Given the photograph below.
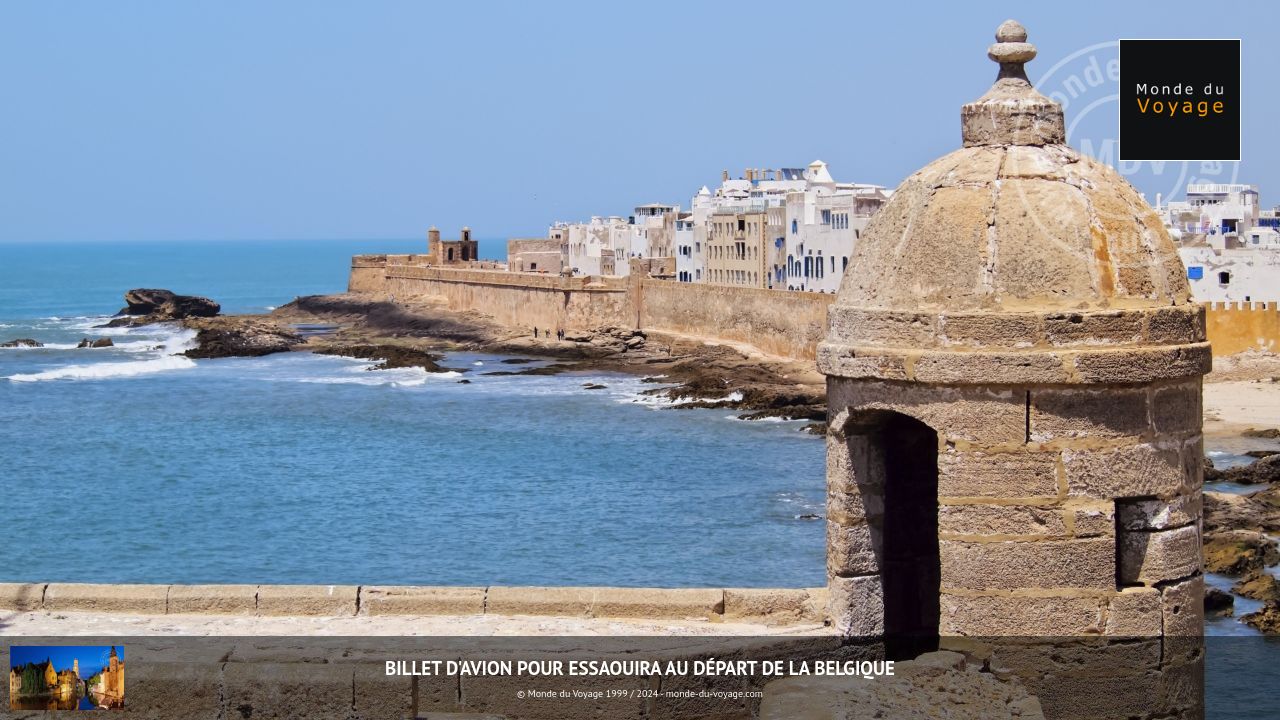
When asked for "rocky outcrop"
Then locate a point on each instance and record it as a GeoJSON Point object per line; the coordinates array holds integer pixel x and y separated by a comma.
{"type": "Point", "coordinates": [1231, 511]}
{"type": "Point", "coordinates": [166, 305]}
{"type": "Point", "coordinates": [1239, 552]}
{"type": "Point", "coordinates": [1269, 433]}
{"type": "Point", "coordinates": [1258, 586]}
{"type": "Point", "coordinates": [99, 343]}
{"type": "Point", "coordinates": [1259, 472]}
{"type": "Point", "coordinates": [22, 342]}
{"type": "Point", "coordinates": [390, 356]}
{"type": "Point", "coordinates": [144, 306]}
{"type": "Point", "coordinates": [1267, 619]}
{"type": "Point", "coordinates": [239, 336]}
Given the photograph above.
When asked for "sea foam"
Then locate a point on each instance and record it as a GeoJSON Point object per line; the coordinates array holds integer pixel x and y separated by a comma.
{"type": "Point", "coordinates": [109, 370]}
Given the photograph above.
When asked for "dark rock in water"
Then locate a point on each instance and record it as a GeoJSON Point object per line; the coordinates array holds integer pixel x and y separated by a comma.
{"type": "Point", "coordinates": [1221, 603]}
{"type": "Point", "coordinates": [1239, 552]}
{"type": "Point", "coordinates": [220, 337]}
{"type": "Point", "coordinates": [594, 386]}
{"type": "Point", "coordinates": [1258, 472]}
{"type": "Point", "coordinates": [22, 342]}
{"type": "Point", "coordinates": [516, 361]}
{"type": "Point", "coordinates": [464, 381]}
{"type": "Point", "coordinates": [1271, 433]}
{"type": "Point", "coordinates": [144, 305]}
{"type": "Point", "coordinates": [1259, 454]}
{"type": "Point", "coordinates": [391, 356]}
{"type": "Point", "coordinates": [818, 428]}
{"type": "Point", "coordinates": [99, 343]}
{"type": "Point", "coordinates": [809, 516]}
{"type": "Point", "coordinates": [1211, 473]}
{"type": "Point", "coordinates": [545, 370]}
{"type": "Point", "coordinates": [1267, 619]}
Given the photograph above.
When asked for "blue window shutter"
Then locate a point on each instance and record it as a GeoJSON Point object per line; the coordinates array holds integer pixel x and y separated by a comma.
{"type": "Point", "coordinates": [1195, 272]}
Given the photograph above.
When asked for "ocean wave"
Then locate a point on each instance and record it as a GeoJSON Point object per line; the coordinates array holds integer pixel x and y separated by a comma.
{"type": "Point", "coordinates": [106, 371]}
{"type": "Point", "coordinates": [771, 419]}
{"type": "Point", "coordinates": [398, 377]}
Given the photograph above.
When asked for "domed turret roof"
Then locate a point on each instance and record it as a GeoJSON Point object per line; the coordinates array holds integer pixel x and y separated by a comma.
{"type": "Point", "coordinates": [1015, 260]}
{"type": "Point", "coordinates": [1015, 220]}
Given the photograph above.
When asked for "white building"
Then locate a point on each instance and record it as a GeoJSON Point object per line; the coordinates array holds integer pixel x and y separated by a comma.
{"type": "Point", "coordinates": [597, 247]}
{"type": "Point", "coordinates": [1229, 245]}
{"type": "Point", "coordinates": [824, 222]}
{"type": "Point", "coordinates": [688, 248]}
{"type": "Point", "coordinates": [1216, 210]}
{"type": "Point", "coordinates": [809, 229]}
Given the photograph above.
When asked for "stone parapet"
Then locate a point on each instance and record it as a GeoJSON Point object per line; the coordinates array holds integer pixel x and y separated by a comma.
{"type": "Point", "coordinates": [775, 606]}
{"type": "Point", "coordinates": [1074, 366]}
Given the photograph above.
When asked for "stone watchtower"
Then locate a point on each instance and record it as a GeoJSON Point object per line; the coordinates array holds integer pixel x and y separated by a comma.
{"type": "Point", "coordinates": [1014, 380]}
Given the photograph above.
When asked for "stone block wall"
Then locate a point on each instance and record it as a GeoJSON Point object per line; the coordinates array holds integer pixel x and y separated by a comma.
{"type": "Point", "coordinates": [783, 323]}
{"type": "Point", "coordinates": [1061, 510]}
{"type": "Point", "coordinates": [787, 324]}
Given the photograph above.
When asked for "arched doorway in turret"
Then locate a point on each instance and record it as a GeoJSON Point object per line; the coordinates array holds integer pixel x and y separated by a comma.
{"type": "Point", "coordinates": [893, 459]}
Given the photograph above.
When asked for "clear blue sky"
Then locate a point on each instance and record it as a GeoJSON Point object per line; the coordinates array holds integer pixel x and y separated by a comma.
{"type": "Point", "coordinates": [92, 657]}
{"type": "Point", "coordinates": [206, 120]}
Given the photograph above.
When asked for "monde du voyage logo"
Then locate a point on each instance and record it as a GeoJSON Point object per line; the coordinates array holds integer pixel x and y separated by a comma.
{"type": "Point", "coordinates": [1180, 100]}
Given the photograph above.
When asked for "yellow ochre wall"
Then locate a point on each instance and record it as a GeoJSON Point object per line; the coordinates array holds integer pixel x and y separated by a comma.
{"type": "Point", "coordinates": [1235, 327]}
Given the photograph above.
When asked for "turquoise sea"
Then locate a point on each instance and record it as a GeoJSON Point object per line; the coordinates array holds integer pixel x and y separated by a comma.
{"type": "Point", "coordinates": [133, 464]}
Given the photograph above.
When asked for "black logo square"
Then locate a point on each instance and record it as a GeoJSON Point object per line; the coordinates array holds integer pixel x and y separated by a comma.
{"type": "Point", "coordinates": [1180, 100]}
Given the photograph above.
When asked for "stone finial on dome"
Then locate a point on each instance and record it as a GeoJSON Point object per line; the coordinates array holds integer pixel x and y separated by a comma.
{"type": "Point", "coordinates": [1012, 112]}
{"type": "Point", "coordinates": [1012, 50]}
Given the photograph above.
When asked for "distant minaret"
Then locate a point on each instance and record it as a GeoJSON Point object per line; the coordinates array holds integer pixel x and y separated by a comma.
{"type": "Point", "coordinates": [75, 667]}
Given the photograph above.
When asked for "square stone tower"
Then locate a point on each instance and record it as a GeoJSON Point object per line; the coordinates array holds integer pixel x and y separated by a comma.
{"type": "Point", "coordinates": [1014, 371]}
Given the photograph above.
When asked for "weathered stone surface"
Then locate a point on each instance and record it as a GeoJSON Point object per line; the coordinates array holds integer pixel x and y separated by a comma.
{"type": "Point", "coordinates": [985, 415]}
{"type": "Point", "coordinates": [1092, 519]}
{"type": "Point", "coordinates": [394, 600]}
{"type": "Point", "coordinates": [888, 329]}
{"type": "Point", "coordinates": [1136, 470]}
{"type": "Point", "coordinates": [1104, 413]}
{"type": "Point", "coordinates": [1178, 408]}
{"type": "Point", "coordinates": [1045, 248]}
{"type": "Point", "coordinates": [980, 368]}
{"type": "Point", "coordinates": [960, 521]}
{"type": "Point", "coordinates": [997, 475]}
{"type": "Point", "coordinates": [1159, 514]}
{"type": "Point", "coordinates": [698, 603]}
{"type": "Point", "coordinates": [1135, 612]}
{"type": "Point", "coordinates": [213, 599]}
{"type": "Point", "coordinates": [1095, 329]}
{"type": "Point", "coordinates": [1154, 556]}
{"type": "Point", "coordinates": [937, 684]}
{"type": "Point", "coordinates": [1081, 563]}
{"type": "Point", "coordinates": [22, 597]}
{"type": "Point", "coordinates": [779, 605]}
{"type": "Point", "coordinates": [289, 690]}
{"type": "Point", "coordinates": [137, 599]}
{"type": "Point", "coordinates": [1143, 365]}
{"type": "Point", "coordinates": [1176, 324]}
{"type": "Point", "coordinates": [1009, 615]}
{"type": "Point", "coordinates": [605, 602]}
{"type": "Point", "coordinates": [850, 550]}
{"type": "Point", "coordinates": [315, 600]}
{"type": "Point", "coordinates": [156, 689]}
{"type": "Point", "coordinates": [988, 330]}
{"type": "Point", "coordinates": [1183, 605]}
{"type": "Point", "coordinates": [857, 605]}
